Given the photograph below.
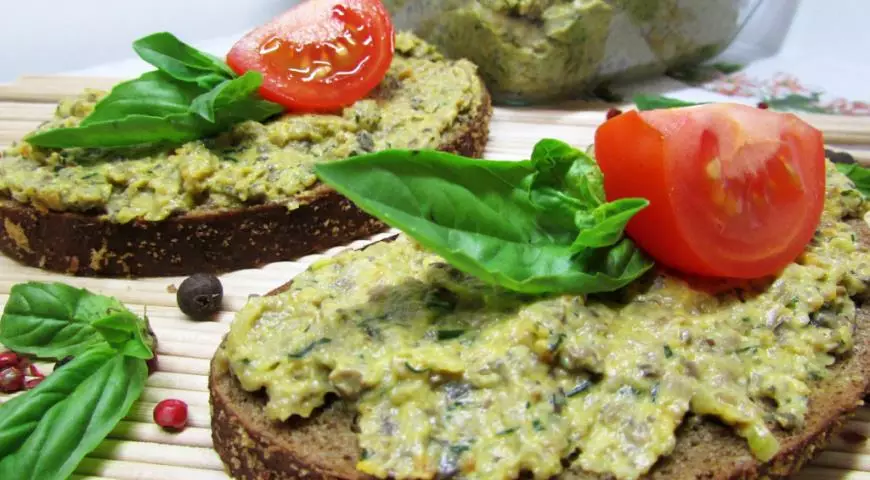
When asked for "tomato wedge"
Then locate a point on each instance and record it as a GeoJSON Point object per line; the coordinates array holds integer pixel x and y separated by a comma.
{"type": "Point", "coordinates": [320, 55]}
{"type": "Point", "coordinates": [734, 191]}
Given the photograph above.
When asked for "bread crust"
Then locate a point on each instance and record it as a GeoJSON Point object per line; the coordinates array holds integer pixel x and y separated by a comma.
{"type": "Point", "coordinates": [203, 242]}
{"type": "Point", "coordinates": [325, 447]}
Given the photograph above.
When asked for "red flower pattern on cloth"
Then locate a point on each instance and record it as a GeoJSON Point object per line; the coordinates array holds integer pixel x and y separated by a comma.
{"type": "Point", "coordinates": [734, 85]}
{"type": "Point", "coordinates": [784, 91]}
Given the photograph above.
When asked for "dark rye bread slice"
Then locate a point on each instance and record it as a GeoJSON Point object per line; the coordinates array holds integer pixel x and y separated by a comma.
{"type": "Point", "coordinates": [324, 446]}
{"type": "Point", "coordinates": [204, 242]}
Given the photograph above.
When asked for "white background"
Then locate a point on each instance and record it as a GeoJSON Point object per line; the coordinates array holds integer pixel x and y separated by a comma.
{"type": "Point", "coordinates": [50, 36]}
{"type": "Point", "coordinates": [827, 38]}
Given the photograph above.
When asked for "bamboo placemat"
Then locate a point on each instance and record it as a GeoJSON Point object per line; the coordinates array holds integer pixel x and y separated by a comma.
{"type": "Point", "coordinates": [138, 449]}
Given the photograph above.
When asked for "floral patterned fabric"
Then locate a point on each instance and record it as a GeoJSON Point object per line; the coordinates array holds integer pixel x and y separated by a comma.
{"type": "Point", "coordinates": [785, 91]}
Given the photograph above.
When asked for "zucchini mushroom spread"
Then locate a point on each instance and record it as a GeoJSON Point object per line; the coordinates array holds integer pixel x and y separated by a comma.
{"type": "Point", "coordinates": [453, 376]}
{"type": "Point", "coordinates": [421, 97]}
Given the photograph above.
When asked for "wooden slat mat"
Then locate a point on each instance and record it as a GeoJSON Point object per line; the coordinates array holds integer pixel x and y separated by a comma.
{"type": "Point", "coordinates": [138, 449]}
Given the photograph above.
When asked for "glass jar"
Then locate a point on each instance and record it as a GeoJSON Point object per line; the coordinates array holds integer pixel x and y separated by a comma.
{"type": "Point", "coordinates": [533, 51]}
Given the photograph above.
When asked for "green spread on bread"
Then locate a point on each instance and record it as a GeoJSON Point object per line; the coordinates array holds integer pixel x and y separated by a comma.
{"type": "Point", "coordinates": [453, 376]}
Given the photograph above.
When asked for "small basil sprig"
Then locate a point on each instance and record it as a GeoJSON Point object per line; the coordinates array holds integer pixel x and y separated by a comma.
{"type": "Point", "coordinates": [181, 61]}
{"type": "Point", "coordinates": [191, 95]}
{"type": "Point", "coordinates": [47, 431]}
{"type": "Point", "coordinates": [655, 102]}
{"type": "Point", "coordinates": [536, 226]}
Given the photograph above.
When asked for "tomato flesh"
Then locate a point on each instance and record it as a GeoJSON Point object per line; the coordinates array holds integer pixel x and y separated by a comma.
{"type": "Point", "coordinates": [734, 191]}
{"type": "Point", "coordinates": [320, 55]}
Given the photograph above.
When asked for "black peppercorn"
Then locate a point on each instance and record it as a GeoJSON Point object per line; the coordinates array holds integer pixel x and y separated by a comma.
{"type": "Point", "coordinates": [200, 295]}
{"type": "Point", "coordinates": [839, 157]}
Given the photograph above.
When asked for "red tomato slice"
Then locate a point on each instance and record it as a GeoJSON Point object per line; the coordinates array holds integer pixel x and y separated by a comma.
{"type": "Point", "coordinates": [320, 55]}
{"type": "Point", "coordinates": [734, 191]}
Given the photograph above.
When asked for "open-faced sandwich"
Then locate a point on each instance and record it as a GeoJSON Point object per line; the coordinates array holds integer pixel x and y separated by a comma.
{"type": "Point", "coordinates": [684, 305]}
{"type": "Point", "coordinates": [206, 166]}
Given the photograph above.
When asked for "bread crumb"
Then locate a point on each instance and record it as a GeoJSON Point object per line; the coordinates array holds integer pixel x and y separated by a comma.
{"type": "Point", "coordinates": [171, 288]}
{"type": "Point", "coordinates": [73, 265]}
{"type": "Point", "coordinates": [97, 257]}
{"type": "Point", "coordinates": [16, 233]}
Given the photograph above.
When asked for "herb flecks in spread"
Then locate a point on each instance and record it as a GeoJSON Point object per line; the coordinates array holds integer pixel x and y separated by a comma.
{"type": "Point", "coordinates": [519, 384]}
{"type": "Point", "coordinates": [419, 100]}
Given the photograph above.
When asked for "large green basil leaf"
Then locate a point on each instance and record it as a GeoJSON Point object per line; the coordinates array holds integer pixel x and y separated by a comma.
{"type": "Point", "coordinates": [442, 189]}
{"type": "Point", "coordinates": [53, 320]}
{"type": "Point", "coordinates": [181, 61]}
{"type": "Point", "coordinates": [20, 415]}
{"type": "Point", "coordinates": [129, 131]}
{"type": "Point", "coordinates": [153, 94]}
{"type": "Point", "coordinates": [859, 175]}
{"type": "Point", "coordinates": [142, 130]}
{"type": "Point", "coordinates": [46, 432]}
{"type": "Point", "coordinates": [491, 219]}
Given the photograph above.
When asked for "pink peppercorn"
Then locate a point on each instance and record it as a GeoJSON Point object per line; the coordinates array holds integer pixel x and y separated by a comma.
{"type": "Point", "coordinates": [171, 414]}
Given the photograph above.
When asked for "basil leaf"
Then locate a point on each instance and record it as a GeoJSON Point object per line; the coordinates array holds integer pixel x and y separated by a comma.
{"type": "Point", "coordinates": [129, 131]}
{"type": "Point", "coordinates": [859, 175]}
{"type": "Point", "coordinates": [227, 98]}
{"type": "Point", "coordinates": [604, 225]}
{"type": "Point", "coordinates": [141, 130]}
{"type": "Point", "coordinates": [444, 189]}
{"type": "Point", "coordinates": [614, 264]}
{"type": "Point", "coordinates": [654, 102]}
{"type": "Point", "coordinates": [548, 187]}
{"type": "Point", "coordinates": [181, 61]}
{"type": "Point", "coordinates": [192, 95]}
{"type": "Point", "coordinates": [585, 181]}
{"type": "Point", "coordinates": [125, 332]}
{"type": "Point", "coordinates": [567, 180]}
{"type": "Point", "coordinates": [153, 94]}
{"type": "Point", "coordinates": [250, 108]}
{"type": "Point", "coordinates": [46, 432]}
{"type": "Point", "coordinates": [20, 415]}
{"type": "Point", "coordinates": [486, 217]}
{"type": "Point", "coordinates": [53, 320]}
